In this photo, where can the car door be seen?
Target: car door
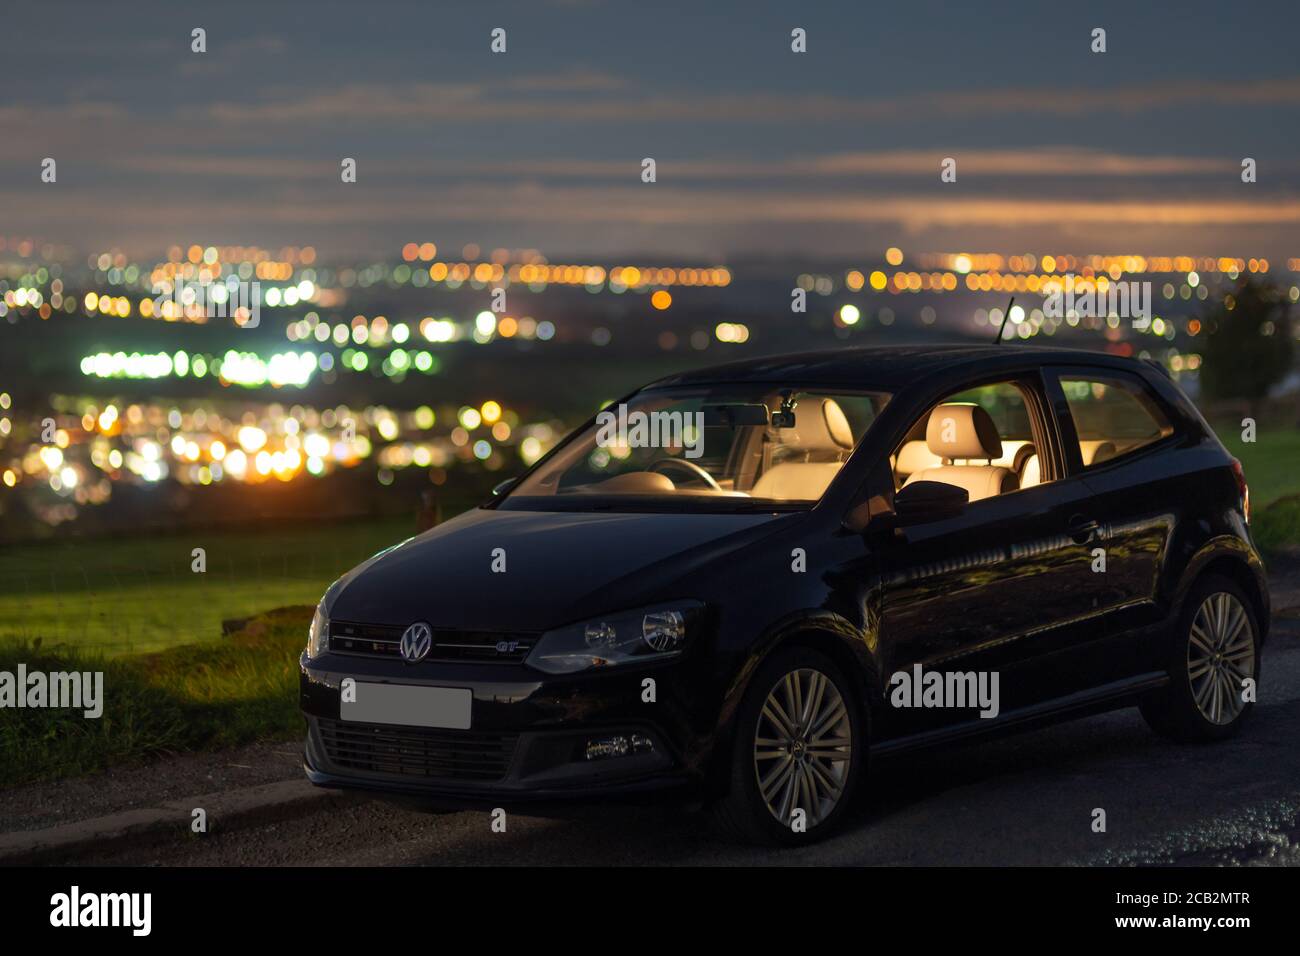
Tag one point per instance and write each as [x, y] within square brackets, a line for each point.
[1119, 436]
[1000, 589]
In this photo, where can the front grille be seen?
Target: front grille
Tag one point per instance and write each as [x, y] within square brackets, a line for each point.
[445, 754]
[383, 640]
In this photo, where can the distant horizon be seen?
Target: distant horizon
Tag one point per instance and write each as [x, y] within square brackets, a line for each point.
[781, 263]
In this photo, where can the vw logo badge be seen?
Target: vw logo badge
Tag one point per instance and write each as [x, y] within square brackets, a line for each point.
[417, 640]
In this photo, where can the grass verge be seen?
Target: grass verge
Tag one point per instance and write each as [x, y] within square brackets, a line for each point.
[1276, 528]
[1269, 461]
[130, 595]
[238, 690]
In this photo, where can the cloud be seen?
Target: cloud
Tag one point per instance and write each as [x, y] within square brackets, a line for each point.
[485, 102]
[514, 97]
[577, 80]
[1047, 161]
[640, 205]
[227, 56]
[1039, 161]
[1042, 162]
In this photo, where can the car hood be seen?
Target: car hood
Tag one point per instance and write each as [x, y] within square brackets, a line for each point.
[559, 567]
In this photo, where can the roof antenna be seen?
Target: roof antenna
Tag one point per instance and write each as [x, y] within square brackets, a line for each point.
[1003, 327]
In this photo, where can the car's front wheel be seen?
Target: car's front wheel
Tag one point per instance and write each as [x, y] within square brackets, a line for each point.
[1213, 666]
[798, 753]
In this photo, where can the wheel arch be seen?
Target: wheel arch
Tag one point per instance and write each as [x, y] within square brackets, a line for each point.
[1239, 565]
[819, 630]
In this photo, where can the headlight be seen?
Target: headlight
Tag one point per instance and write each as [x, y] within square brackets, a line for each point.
[318, 636]
[649, 634]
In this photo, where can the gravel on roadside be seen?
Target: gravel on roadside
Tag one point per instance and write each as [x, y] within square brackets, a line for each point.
[41, 805]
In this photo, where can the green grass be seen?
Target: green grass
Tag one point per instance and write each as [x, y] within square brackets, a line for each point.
[134, 595]
[237, 690]
[1272, 467]
[1271, 463]
[1277, 528]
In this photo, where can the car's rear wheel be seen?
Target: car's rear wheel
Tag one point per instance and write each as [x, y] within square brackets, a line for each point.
[800, 741]
[1213, 652]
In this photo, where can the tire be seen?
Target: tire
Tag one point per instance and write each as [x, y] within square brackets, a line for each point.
[797, 773]
[1217, 634]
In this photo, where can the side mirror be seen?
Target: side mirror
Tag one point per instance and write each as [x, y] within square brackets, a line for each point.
[503, 487]
[924, 501]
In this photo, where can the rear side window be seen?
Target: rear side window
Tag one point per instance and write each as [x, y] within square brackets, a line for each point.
[1114, 415]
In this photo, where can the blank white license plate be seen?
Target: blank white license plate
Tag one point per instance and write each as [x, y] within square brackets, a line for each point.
[409, 705]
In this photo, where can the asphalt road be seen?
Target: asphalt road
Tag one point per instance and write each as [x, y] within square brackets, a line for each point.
[1021, 800]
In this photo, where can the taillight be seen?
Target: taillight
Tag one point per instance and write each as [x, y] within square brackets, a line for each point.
[1242, 488]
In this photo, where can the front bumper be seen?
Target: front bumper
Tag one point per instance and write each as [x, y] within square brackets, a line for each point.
[528, 737]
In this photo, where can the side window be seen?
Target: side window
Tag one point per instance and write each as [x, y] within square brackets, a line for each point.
[981, 439]
[1113, 414]
[1005, 404]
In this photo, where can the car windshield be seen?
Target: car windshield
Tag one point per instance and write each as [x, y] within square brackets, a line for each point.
[753, 446]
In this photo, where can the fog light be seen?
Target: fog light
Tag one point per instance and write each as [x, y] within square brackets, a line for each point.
[598, 748]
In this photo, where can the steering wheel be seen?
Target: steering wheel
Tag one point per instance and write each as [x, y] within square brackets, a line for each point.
[695, 470]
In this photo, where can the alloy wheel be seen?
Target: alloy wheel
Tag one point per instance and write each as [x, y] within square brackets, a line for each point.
[803, 747]
[1220, 657]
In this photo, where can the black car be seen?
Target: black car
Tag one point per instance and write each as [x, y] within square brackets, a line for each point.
[739, 584]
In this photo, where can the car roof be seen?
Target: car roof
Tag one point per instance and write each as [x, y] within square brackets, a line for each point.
[889, 367]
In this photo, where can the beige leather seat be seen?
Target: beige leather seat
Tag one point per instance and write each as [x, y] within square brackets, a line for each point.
[1032, 473]
[915, 456]
[1014, 454]
[1095, 452]
[1092, 452]
[965, 432]
[820, 431]
[1023, 460]
[796, 481]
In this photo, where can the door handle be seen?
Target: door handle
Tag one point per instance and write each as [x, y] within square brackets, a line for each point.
[1082, 529]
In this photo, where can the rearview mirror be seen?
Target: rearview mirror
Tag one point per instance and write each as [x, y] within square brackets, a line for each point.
[924, 501]
[735, 415]
[503, 487]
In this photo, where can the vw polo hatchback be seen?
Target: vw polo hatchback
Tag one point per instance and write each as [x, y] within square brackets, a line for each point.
[737, 585]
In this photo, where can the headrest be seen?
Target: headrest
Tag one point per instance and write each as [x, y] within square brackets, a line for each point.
[821, 427]
[1033, 473]
[962, 431]
[1014, 453]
